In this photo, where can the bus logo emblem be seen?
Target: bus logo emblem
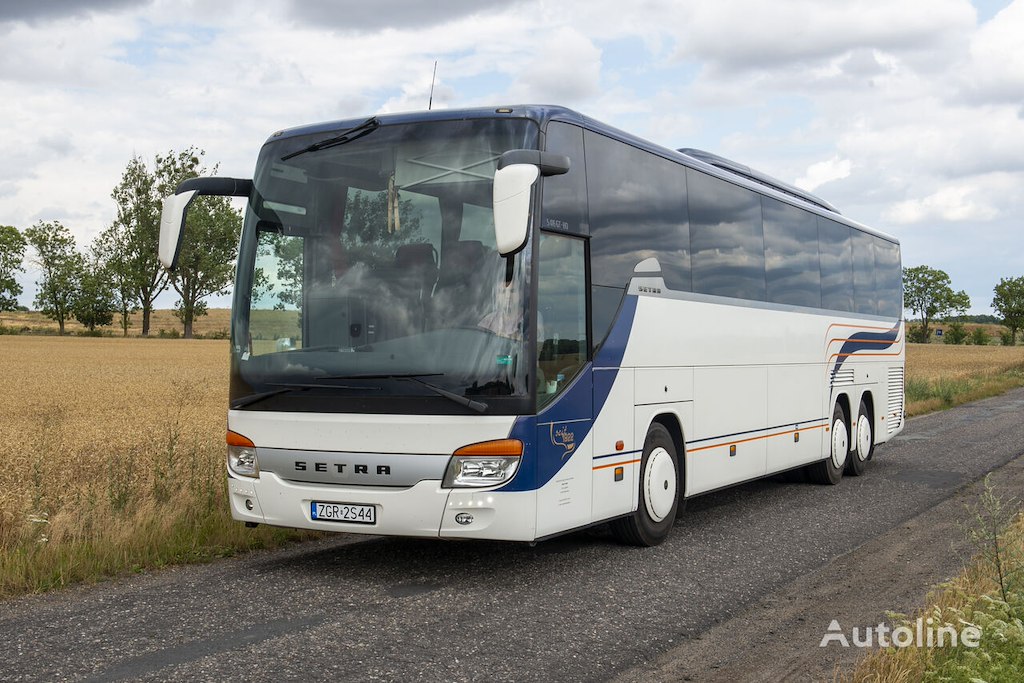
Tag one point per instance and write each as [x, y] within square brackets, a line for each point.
[564, 438]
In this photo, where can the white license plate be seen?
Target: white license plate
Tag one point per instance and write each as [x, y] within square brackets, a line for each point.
[343, 512]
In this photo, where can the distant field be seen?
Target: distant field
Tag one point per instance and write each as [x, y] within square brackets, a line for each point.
[218, 320]
[943, 375]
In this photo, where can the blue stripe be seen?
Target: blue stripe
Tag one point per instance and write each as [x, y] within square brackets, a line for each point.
[586, 396]
[863, 341]
[616, 454]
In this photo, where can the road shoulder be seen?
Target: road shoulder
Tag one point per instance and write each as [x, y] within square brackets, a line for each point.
[778, 637]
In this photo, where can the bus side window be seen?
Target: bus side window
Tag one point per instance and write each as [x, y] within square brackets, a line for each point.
[562, 319]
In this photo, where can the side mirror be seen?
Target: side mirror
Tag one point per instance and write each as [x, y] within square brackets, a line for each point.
[172, 227]
[518, 170]
[512, 186]
[172, 219]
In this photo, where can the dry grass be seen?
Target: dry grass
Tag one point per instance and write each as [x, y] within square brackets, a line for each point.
[966, 598]
[940, 376]
[112, 458]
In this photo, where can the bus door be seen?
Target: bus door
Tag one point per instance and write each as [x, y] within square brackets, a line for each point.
[564, 386]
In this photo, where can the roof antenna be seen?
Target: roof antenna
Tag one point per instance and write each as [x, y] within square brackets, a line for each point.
[431, 102]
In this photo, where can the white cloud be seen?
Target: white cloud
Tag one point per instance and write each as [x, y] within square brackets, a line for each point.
[956, 203]
[995, 71]
[824, 171]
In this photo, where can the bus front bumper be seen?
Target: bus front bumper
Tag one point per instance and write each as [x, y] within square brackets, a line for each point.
[424, 510]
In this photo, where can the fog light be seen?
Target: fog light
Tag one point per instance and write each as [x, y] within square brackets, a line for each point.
[248, 504]
[464, 518]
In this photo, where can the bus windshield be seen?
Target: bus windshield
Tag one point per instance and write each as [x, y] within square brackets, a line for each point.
[367, 270]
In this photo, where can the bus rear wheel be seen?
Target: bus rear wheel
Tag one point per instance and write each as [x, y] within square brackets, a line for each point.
[865, 444]
[830, 470]
[656, 509]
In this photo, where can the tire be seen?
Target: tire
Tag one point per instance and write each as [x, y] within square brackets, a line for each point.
[864, 446]
[830, 470]
[659, 487]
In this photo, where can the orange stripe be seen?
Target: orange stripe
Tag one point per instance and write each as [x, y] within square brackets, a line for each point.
[859, 327]
[754, 438]
[859, 355]
[617, 464]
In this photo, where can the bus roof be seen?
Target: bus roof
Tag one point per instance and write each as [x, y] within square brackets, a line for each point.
[704, 161]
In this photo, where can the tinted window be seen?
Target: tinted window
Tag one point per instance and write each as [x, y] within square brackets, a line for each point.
[864, 299]
[604, 304]
[791, 254]
[726, 238]
[888, 278]
[562, 314]
[565, 196]
[637, 210]
[836, 254]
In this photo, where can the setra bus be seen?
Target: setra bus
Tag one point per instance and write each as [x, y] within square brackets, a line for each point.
[511, 323]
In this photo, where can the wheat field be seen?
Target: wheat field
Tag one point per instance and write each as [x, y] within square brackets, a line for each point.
[943, 375]
[113, 458]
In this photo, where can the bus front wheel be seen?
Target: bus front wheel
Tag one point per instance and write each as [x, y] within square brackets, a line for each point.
[656, 509]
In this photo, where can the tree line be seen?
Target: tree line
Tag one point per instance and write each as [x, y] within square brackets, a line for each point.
[928, 293]
[118, 274]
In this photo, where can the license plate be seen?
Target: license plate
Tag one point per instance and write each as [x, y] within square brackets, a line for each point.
[343, 512]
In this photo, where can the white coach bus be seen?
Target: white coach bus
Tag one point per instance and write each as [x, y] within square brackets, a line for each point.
[512, 323]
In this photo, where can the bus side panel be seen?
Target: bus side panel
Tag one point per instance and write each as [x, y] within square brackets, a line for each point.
[729, 405]
[794, 400]
[614, 491]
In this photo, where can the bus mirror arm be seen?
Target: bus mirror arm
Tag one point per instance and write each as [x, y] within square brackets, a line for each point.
[548, 163]
[172, 219]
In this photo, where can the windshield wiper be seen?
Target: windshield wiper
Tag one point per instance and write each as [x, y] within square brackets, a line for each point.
[365, 128]
[256, 398]
[461, 400]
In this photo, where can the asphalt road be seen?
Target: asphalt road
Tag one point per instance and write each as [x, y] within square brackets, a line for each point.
[576, 608]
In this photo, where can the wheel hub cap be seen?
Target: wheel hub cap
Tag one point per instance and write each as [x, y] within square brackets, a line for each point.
[863, 437]
[659, 484]
[840, 443]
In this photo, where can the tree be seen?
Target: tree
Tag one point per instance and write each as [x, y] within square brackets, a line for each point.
[62, 267]
[979, 336]
[1009, 304]
[130, 247]
[12, 254]
[955, 333]
[206, 263]
[93, 304]
[927, 292]
[119, 269]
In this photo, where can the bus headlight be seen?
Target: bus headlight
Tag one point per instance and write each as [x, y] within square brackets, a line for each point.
[242, 456]
[488, 463]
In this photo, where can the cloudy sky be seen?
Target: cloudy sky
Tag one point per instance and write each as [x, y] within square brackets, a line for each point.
[908, 116]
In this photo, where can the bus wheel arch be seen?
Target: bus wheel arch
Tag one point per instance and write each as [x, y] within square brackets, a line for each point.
[670, 421]
[659, 491]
